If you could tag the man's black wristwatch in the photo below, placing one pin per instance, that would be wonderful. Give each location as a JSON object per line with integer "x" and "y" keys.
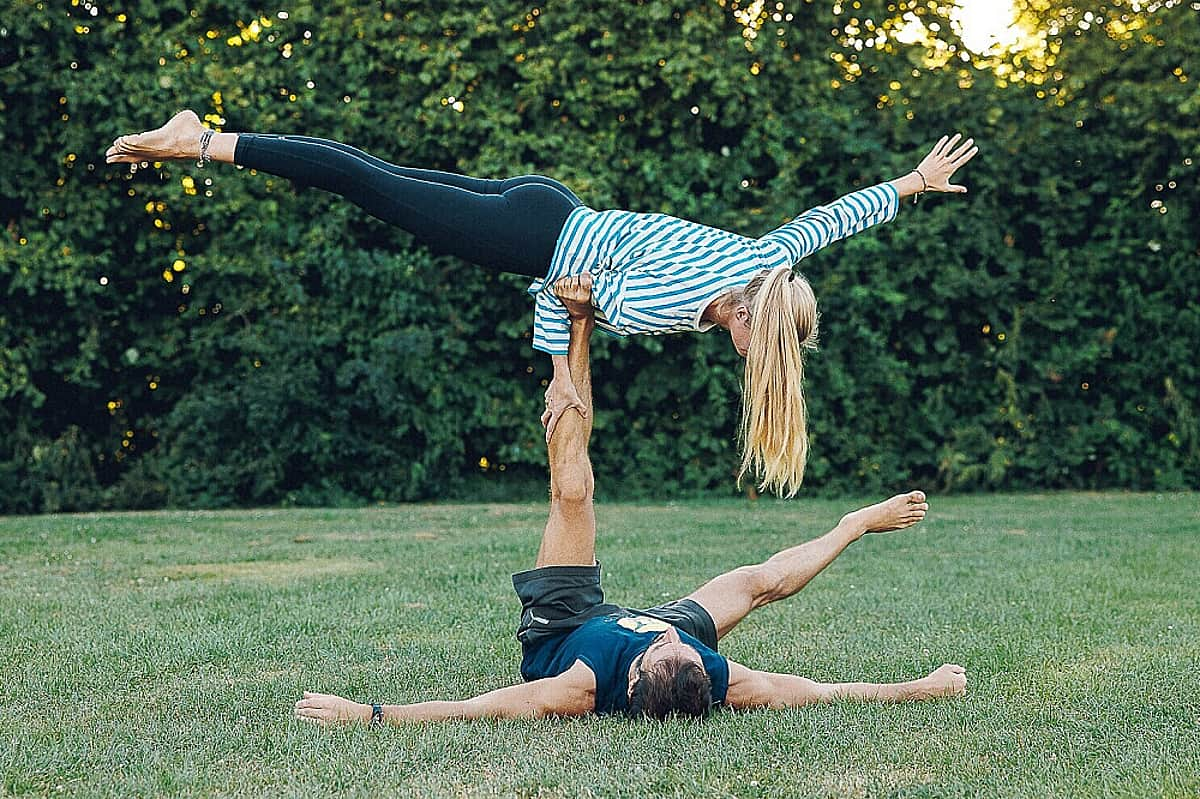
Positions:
{"x": 376, "y": 714}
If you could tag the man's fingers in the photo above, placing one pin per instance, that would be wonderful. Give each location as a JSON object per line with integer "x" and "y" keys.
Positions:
{"x": 546, "y": 417}
{"x": 551, "y": 424}
{"x": 955, "y": 188}
{"x": 937, "y": 148}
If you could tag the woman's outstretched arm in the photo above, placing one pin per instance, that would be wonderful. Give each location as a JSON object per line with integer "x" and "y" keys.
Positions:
{"x": 551, "y": 326}
{"x": 855, "y": 212}
{"x": 573, "y": 294}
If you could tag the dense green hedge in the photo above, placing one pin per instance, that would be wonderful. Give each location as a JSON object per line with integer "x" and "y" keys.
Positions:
{"x": 1039, "y": 333}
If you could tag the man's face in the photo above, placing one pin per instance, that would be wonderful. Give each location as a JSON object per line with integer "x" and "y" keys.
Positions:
{"x": 666, "y": 646}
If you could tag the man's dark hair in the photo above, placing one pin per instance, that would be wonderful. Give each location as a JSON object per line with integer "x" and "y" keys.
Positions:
{"x": 672, "y": 688}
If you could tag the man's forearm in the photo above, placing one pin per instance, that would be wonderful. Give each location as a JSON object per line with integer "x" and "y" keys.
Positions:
{"x": 789, "y": 690}
{"x": 877, "y": 692}
{"x": 523, "y": 700}
{"x": 477, "y": 708}
{"x": 480, "y": 707}
{"x": 426, "y": 711}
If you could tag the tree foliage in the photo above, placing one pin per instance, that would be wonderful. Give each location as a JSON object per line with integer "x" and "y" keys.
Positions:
{"x": 203, "y": 337}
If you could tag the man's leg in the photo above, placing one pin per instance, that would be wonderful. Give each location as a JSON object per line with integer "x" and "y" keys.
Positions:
{"x": 570, "y": 535}
{"x": 731, "y": 596}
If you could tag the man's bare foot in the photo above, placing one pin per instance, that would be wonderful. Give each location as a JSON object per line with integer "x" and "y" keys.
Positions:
{"x": 575, "y": 291}
{"x": 949, "y": 679}
{"x": 902, "y": 510}
{"x": 178, "y": 139}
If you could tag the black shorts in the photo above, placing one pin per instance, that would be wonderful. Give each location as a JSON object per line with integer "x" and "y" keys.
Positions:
{"x": 555, "y": 600}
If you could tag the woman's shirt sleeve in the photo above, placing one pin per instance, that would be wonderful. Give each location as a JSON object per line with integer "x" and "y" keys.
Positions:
{"x": 845, "y": 216}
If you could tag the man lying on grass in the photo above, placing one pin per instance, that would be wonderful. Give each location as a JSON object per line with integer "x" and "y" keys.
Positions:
{"x": 581, "y": 655}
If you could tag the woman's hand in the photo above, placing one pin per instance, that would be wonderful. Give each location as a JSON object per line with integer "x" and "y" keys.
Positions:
{"x": 330, "y": 709}
{"x": 575, "y": 292}
{"x": 943, "y": 161}
{"x": 561, "y": 396}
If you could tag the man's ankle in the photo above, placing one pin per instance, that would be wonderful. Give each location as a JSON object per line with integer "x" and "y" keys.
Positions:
{"x": 850, "y": 527}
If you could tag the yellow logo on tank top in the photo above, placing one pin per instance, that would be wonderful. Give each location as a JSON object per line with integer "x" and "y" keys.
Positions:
{"x": 644, "y": 624}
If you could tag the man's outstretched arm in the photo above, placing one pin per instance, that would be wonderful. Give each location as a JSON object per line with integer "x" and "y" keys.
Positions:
{"x": 572, "y": 693}
{"x": 752, "y": 689}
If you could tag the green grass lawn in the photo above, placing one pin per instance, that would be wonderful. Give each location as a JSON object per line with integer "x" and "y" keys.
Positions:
{"x": 161, "y": 653}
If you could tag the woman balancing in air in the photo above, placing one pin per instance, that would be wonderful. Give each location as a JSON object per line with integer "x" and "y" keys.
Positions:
{"x": 649, "y": 273}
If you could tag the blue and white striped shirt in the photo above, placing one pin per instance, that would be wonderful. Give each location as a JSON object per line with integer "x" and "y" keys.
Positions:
{"x": 655, "y": 274}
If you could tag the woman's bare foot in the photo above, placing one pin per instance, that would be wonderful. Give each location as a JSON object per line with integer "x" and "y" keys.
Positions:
{"x": 178, "y": 139}
{"x": 902, "y": 510}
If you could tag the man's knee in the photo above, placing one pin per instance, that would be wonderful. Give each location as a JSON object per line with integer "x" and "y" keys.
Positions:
{"x": 760, "y": 582}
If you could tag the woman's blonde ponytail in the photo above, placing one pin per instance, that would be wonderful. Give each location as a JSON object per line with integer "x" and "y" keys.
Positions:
{"x": 774, "y": 432}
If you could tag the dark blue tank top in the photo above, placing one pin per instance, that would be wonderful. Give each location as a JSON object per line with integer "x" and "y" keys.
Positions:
{"x": 608, "y": 645}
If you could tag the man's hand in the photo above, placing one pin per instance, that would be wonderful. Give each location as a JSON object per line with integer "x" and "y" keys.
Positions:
{"x": 576, "y": 294}
{"x": 948, "y": 679}
{"x": 943, "y": 161}
{"x": 330, "y": 709}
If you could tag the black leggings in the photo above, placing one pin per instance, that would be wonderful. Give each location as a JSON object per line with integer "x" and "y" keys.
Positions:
{"x": 503, "y": 225}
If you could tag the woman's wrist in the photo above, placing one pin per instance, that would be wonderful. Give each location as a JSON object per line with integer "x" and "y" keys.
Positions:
{"x": 911, "y": 184}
